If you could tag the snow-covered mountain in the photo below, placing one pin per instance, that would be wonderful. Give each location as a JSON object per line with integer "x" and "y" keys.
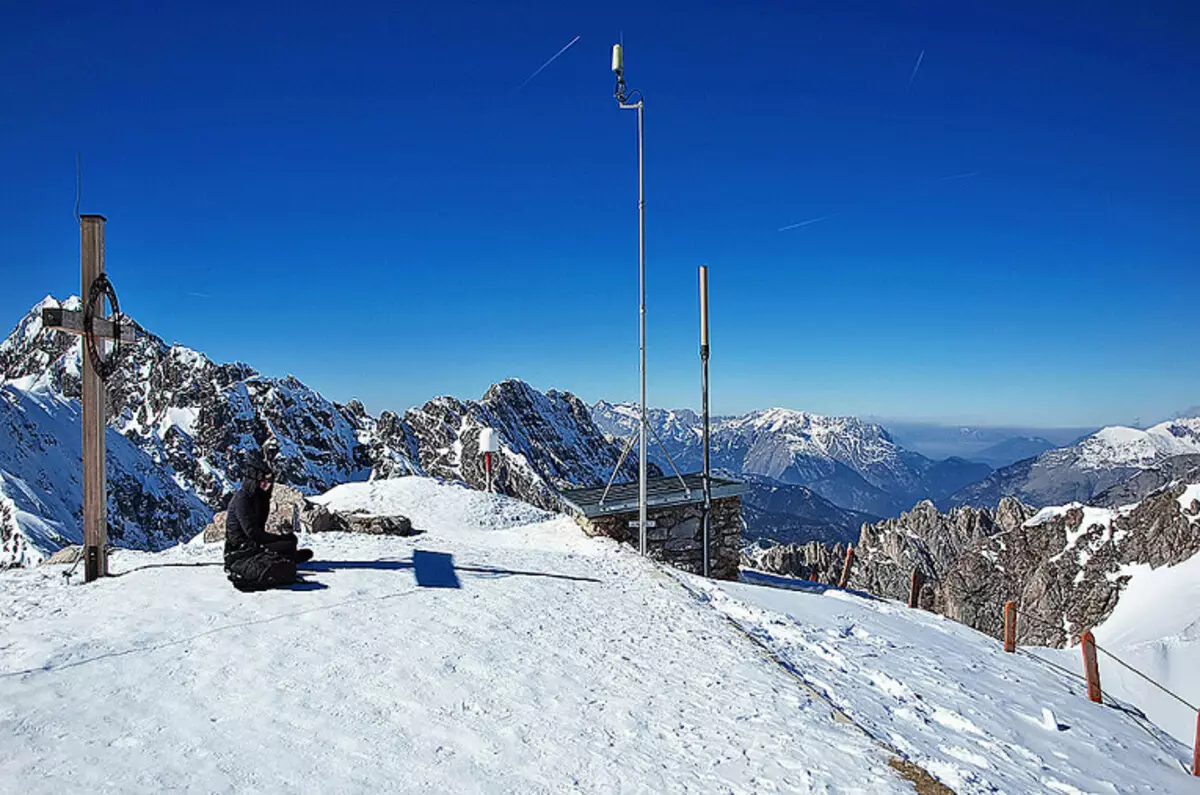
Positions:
{"x": 1077, "y": 473}
{"x": 522, "y": 656}
{"x": 41, "y": 504}
{"x": 850, "y": 462}
{"x": 180, "y": 426}
{"x": 548, "y": 442}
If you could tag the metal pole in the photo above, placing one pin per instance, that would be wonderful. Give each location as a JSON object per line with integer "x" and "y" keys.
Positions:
{"x": 642, "y": 366}
{"x": 704, "y": 408}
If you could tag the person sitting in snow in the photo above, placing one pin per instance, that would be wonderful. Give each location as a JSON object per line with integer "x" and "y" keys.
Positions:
{"x": 255, "y": 559}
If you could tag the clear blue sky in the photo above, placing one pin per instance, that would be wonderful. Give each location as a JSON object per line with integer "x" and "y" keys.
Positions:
{"x": 367, "y": 197}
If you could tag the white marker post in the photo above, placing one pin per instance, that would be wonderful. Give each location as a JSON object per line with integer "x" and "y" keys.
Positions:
{"x": 489, "y": 442}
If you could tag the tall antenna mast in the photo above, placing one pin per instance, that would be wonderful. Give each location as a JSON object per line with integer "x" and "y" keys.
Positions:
{"x": 625, "y": 101}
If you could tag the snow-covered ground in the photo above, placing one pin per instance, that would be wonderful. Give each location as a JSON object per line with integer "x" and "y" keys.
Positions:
{"x": 543, "y": 661}
{"x": 1155, "y": 628}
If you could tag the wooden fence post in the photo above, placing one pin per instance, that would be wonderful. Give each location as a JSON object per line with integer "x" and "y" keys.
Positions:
{"x": 1090, "y": 667}
{"x": 1196, "y": 752}
{"x": 914, "y": 593}
{"x": 845, "y": 578}
{"x": 1010, "y": 627}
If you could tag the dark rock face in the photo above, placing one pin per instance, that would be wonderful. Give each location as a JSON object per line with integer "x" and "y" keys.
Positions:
{"x": 786, "y": 514}
{"x": 548, "y": 442}
{"x": 1181, "y": 468}
{"x": 1063, "y": 566}
{"x": 813, "y": 561}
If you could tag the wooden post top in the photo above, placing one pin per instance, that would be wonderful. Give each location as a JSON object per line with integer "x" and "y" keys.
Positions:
{"x": 93, "y": 217}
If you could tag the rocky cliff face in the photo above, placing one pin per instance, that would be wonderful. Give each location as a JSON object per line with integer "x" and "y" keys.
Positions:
{"x": 548, "y": 442}
{"x": 1064, "y": 566}
{"x": 181, "y": 426}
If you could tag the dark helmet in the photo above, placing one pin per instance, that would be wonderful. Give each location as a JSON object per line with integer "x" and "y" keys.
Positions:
{"x": 257, "y": 468}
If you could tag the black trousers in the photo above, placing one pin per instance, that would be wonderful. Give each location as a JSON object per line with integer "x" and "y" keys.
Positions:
{"x": 285, "y": 546}
{"x": 270, "y": 566}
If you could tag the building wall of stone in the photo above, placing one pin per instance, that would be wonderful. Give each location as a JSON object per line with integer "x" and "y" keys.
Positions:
{"x": 677, "y": 536}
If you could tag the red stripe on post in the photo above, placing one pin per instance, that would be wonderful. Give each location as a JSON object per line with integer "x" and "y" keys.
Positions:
{"x": 914, "y": 592}
{"x": 1010, "y": 627}
{"x": 1090, "y": 667}
{"x": 845, "y": 578}
{"x": 1196, "y": 756}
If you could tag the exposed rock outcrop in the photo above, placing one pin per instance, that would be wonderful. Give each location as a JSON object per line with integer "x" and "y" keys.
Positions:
{"x": 1064, "y": 566}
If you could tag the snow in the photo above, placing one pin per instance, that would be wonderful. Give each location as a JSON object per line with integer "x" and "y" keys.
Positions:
{"x": 1155, "y": 627}
{"x": 41, "y": 473}
{"x": 1190, "y": 495}
{"x": 516, "y": 682}
{"x": 182, "y": 418}
{"x": 950, "y": 698}
{"x": 1122, "y": 446}
{"x": 529, "y": 677}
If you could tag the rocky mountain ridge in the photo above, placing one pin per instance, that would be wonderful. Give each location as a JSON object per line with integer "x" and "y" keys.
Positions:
{"x": 1065, "y": 565}
{"x": 181, "y": 426}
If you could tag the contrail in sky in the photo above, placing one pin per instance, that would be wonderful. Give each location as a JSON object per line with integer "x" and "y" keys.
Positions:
{"x": 805, "y": 223}
{"x": 916, "y": 68}
{"x": 553, "y": 58}
{"x": 966, "y": 175}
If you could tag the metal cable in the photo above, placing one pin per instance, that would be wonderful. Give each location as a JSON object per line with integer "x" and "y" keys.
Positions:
{"x": 1124, "y": 664}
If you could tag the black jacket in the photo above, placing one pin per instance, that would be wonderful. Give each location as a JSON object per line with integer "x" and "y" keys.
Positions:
{"x": 246, "y": 520}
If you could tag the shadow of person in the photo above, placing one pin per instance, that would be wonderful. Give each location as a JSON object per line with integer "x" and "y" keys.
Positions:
{"x": 433, "y": 569}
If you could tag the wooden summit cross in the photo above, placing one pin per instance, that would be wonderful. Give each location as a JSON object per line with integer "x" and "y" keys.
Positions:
{"x": 93, "y": 396}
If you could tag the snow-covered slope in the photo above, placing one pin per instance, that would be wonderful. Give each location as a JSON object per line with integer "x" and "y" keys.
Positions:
{"x": 1156, "y": 629}
{"x": 41, "y": 496}
{"x": 489, "y": 655}
{"x": 1077, "y": 473}
{"x": 852, "y": 463}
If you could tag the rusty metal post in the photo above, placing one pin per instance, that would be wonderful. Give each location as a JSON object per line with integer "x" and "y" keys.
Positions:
{"x": 1010, "y": 627}
{"x": 1091, "y": 667}
{"x": 95, "y": 492}
{"x": 845, "y": 578}
{"x": 914, "y": 593}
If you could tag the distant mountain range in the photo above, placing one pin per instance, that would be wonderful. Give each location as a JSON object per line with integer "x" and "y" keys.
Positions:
{"x": 996, "y": 446}
{"x": 1081, "y": 471}
{"x": 851, "y": 463}
{"x": 180, "y": 426}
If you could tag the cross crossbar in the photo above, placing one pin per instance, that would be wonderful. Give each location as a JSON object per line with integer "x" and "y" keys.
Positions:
{"x": 71, "y": 321}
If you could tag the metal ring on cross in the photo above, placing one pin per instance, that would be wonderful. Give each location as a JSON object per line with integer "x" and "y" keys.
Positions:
{"x": 104, "y": 366}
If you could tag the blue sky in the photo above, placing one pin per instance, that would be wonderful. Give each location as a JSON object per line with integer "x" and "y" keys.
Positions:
{"x": 366, "y": 196}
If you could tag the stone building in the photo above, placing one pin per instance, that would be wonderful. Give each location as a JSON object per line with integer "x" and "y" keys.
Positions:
{"x": 674, "y": 511}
